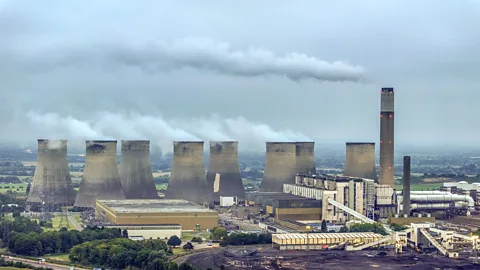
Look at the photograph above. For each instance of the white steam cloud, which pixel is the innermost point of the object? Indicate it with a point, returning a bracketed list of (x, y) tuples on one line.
[(161, 132), (195, 53)]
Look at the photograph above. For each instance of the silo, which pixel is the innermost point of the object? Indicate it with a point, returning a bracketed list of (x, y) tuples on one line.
[(188, 180), (136, 172), (360, 160), (224, 162), (280, 166), (52, 183), (101, 179), (305, 157)]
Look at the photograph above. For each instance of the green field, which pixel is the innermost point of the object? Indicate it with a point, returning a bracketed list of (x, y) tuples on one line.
[(161, 186), (13, 187), (188, 235), (418, 187), (10, 268), (60, 257)]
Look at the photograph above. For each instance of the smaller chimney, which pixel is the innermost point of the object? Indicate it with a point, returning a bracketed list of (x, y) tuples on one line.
[(406, 185)]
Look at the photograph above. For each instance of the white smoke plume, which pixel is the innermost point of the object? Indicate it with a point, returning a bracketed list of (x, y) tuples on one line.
[(196, 53), (161, 132)]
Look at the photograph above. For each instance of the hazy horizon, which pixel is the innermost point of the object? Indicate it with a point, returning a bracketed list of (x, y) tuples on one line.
[(188, 70)]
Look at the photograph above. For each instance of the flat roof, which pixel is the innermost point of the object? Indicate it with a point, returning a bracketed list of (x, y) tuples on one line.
[(288, 236), (153, 206)]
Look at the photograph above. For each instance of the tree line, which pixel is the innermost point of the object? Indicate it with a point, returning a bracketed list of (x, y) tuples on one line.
[(25, 237), (123, 253)]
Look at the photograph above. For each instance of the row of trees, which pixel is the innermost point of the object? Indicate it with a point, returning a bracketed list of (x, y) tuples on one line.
[(20, 265), (123, 253), (26, 237)]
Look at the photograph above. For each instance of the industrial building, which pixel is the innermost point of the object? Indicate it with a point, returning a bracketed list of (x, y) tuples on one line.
[(141, 232), (280, 166), (136, 172), (188, 215), (318, 241), (223, 175), (52, 183), (305, 157), (348, 191), (387, 137), (188, 180), (285, 206), (360, 160), (101, 179)]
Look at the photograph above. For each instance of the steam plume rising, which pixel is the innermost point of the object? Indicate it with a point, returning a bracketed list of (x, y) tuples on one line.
[(198, 53), (161, 132)]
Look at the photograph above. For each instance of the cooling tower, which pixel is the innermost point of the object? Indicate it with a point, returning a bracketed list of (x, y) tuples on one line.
[(52, 183), (188, 180), (386, 137), (101, 179), (136, 172), (305, 157), (224, 161), (360, 160), (280, 166), (406, 185)]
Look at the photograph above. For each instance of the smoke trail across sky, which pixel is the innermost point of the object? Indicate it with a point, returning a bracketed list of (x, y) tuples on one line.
[(161, 132), (198, 53)]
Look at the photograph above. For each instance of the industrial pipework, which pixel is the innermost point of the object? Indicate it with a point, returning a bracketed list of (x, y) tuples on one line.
[(280, 166), (360, 160), (223, 166), (305, 156), (136, 172), (101, 179), (188, 180), (52, 183)]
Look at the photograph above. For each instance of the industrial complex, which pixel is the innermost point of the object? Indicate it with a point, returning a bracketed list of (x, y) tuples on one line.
[(301, 208)]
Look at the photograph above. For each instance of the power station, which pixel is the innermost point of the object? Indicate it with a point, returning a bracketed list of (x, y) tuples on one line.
[(223, 175), (280, 166), (387, 137), (101, 179), (136, 172), (188, 180), (305, 157), (360, 160), (52, 183)]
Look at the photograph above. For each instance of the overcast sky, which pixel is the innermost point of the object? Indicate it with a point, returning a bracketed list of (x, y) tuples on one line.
[(248, 70)]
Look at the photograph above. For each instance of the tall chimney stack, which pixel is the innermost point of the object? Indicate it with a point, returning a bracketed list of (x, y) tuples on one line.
[(406, 185), (101, 179), (280, 166), (305, 157), (188, 180), (360, 160), (224, 161), (387, 137), (136, 172), (52, 183)]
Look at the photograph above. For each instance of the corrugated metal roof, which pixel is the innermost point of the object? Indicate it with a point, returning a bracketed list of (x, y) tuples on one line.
[(288, 236)]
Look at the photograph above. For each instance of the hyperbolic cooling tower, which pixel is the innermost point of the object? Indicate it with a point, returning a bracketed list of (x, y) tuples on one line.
[(280, 166), (52, 183), (101, 179), (305, 157), (360, 160), (136, 172), (188, 180), (387, 137), (224, 162)]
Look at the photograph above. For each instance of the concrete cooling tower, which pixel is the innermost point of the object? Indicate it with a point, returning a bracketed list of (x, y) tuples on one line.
[(280, 166), (136, 172), (101, 179), (52, 183), (188, 180), (224, 162), (305, 156), (360, 160)]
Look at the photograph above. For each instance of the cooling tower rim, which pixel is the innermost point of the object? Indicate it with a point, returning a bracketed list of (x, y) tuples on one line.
[(135, 141), (48, 140), (213, 142), (187, 142), (360, 143), (101, 141), (305, 142), (293, 143)]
